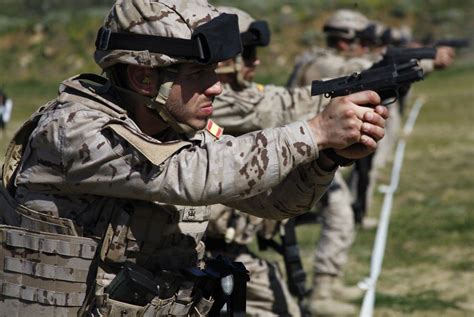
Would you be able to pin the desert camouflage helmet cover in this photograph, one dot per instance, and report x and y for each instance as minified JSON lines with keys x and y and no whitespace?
{"x":244,"y":18}
{"x":166,"y":18}
{"x":345,"y":24}
{"x":253,"y":32}
{"x":401,"y":35}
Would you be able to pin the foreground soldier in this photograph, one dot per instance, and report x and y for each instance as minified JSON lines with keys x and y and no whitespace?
{"x":103,"y":183}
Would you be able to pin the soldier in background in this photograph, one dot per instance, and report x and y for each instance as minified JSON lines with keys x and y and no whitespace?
{"x":355,"y":43}
{"x":246,"y":106}
{"x":111,"y":179}
{"x":400,"y":37}
{"x":242,"y":107}
{"x":349,"y":36}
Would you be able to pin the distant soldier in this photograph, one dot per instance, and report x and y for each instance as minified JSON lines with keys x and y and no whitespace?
{"x":6,"y":106}
{"x":401,"y":37}
{"x":245,"y":106}
{"x":349,"y":36}
{"x":105,"y":188}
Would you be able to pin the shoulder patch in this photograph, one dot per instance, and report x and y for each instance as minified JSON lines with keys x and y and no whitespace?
{"x":214,"y":129}
{"x":260,"y":87}
{"x":155,"y":151}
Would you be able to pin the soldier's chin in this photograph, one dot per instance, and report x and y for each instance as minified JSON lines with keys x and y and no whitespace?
{"x":199,"y":124}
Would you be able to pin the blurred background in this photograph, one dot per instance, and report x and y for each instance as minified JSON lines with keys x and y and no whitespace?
{"x":429,"y":264}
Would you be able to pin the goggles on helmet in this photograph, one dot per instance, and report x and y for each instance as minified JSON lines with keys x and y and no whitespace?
{"x":212,"y":42}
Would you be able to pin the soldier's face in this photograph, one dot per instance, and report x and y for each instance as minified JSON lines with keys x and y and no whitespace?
{"x":251,"y":61}
{"x":192,"y":93}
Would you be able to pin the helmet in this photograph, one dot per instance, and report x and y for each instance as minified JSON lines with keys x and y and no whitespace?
{"x":345,"y":24}
{"x":401,"y":35}
{"x":162,"y":33}
{"x":382,"y":33}
{"x":244,"y":18}
{"x":253,"y":33}
{"x":159,"y":33}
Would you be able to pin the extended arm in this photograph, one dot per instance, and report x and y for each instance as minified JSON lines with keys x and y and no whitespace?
{"x":208,"y":172}
{"x":258,"y":107}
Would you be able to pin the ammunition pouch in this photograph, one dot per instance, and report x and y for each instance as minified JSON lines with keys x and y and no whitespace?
{"x":136,"y":291}
{"x":43,"y":273}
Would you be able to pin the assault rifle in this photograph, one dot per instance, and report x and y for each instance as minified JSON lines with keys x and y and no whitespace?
{"x":388,"y":81}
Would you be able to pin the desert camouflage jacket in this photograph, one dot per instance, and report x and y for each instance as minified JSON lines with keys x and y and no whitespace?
{"x":88,"y":161}
{"x":325,"y":63}
{"x":253,"y":108}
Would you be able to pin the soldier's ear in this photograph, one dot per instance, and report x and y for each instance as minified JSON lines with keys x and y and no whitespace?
{"x":143,"y":80}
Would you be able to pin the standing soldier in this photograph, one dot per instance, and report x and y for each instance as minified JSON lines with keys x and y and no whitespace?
{"x":348,"y":35}
{"x":245,"y":106}
{"x":104,"y":190}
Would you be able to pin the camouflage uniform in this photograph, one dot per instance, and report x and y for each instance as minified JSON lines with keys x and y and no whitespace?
{"x":81,"y":172}
{"x":256,"y":107}
{"x":324,"y":63}
{"x":337,"y":233}
{"x":251,"y":108}
{"x":260,"y":106}
{"x":338,"y":227}
{"x":229,"y":233}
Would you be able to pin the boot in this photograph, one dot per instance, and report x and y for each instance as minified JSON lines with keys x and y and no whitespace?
{"x":370,"y":223}
{"x":322,"y":302}
{"x":344,"y":292}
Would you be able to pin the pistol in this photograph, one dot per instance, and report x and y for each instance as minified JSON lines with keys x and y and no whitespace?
{"x":400,"y":55}
{"x":454,"y":43}
{"x":388,"y":81}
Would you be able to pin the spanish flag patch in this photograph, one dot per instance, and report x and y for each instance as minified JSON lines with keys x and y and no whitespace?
{"x":214,"y":129}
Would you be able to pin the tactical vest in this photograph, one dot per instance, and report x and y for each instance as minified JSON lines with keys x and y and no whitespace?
{"x":47,"y":269}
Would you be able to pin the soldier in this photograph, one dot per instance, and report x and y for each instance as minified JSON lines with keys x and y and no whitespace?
{"x":349,"y":35}
{"x":397,"y":37}
{"x":104,"y":189}
{"x":402,"y":37}
{"x":246,"y":106}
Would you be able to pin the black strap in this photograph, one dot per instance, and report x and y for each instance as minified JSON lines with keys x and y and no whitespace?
{"x":336,"y":158}
{"x":280,"y":305}
{"x":216,"y":245}
{"x":108,"y":40}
